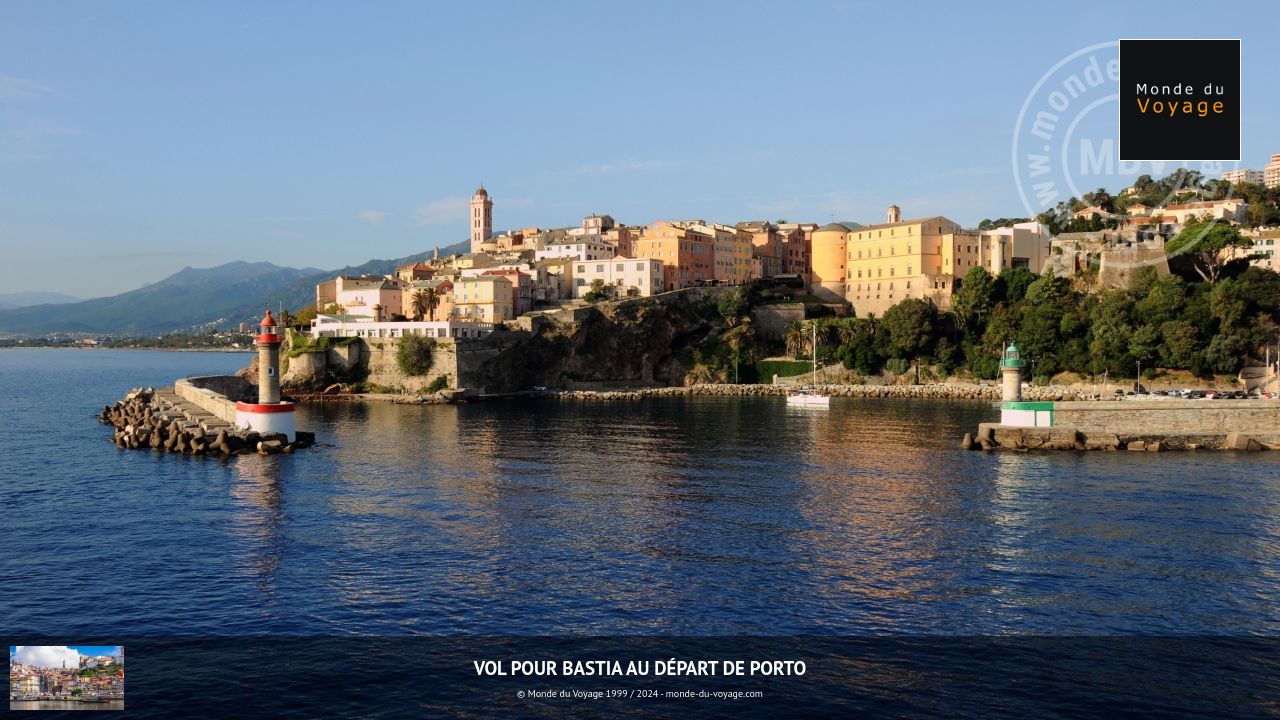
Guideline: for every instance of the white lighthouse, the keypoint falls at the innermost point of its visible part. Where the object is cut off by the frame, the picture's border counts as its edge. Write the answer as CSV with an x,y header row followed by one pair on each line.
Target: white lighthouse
x,y
269,414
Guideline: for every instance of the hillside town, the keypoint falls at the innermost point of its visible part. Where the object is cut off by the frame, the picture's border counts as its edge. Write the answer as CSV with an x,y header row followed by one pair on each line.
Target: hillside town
x,y
96,679
854,269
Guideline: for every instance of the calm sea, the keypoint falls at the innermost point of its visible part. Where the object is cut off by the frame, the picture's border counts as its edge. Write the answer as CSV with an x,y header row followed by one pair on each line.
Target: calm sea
x,y
707,516
668,517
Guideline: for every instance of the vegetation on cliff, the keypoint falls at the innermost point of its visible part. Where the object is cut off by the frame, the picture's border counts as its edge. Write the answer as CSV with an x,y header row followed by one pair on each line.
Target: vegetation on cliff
x,y
413,354
1171,322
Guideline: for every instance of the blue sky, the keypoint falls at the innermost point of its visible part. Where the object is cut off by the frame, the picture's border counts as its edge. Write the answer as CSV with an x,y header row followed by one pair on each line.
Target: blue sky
x,y
140,137
56,655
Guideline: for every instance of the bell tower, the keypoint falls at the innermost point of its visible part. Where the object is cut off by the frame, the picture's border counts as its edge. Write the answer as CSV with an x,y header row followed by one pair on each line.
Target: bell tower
x,y
481,218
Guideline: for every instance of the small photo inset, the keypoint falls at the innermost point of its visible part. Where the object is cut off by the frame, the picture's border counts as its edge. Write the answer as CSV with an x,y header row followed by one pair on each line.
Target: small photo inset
x,y
66,677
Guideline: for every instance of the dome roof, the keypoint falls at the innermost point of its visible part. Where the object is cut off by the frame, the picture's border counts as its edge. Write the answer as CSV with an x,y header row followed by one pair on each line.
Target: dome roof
x,y
268,321
832,227
482,192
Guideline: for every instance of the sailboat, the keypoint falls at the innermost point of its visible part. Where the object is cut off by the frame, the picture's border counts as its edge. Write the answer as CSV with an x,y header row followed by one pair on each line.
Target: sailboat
x,y
809,396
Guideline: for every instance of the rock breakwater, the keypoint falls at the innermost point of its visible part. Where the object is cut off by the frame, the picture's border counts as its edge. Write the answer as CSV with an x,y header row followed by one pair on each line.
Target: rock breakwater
x,y
147,418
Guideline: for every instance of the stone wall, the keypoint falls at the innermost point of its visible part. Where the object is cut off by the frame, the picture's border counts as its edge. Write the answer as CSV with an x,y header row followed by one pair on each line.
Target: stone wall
x,y
771,321
379,356
215,394
1171,417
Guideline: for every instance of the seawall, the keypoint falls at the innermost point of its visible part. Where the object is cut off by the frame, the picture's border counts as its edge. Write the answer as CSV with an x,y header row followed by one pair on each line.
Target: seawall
x,y
1148,425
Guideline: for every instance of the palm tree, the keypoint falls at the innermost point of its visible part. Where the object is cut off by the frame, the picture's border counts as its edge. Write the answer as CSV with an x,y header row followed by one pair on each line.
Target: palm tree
x,y
425,302
418,306
796,339
433,301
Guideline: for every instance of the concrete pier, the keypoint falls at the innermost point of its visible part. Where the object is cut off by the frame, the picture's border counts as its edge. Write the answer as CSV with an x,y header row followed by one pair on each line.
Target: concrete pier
x,y
1148,425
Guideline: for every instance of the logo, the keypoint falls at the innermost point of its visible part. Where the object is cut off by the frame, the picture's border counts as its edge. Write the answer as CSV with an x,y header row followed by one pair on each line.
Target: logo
x,y
1066,144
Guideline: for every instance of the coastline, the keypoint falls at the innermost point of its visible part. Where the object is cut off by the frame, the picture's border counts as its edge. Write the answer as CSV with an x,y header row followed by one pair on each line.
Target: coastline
x,y
937,391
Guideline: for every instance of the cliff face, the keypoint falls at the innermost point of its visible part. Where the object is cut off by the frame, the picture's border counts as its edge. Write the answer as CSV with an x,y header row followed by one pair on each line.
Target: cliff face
x,y
646,341
631,343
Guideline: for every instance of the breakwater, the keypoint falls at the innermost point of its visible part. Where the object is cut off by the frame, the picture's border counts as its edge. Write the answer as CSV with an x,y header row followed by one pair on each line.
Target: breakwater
x,y
1138,425
161,419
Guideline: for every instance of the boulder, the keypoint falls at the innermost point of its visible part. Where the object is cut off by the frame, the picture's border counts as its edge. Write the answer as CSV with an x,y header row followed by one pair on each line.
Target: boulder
x,y
1236,441
1007,437
1136,445
966,443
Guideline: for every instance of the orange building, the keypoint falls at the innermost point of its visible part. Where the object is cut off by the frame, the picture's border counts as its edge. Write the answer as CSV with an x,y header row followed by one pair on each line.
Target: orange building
x,y
688,257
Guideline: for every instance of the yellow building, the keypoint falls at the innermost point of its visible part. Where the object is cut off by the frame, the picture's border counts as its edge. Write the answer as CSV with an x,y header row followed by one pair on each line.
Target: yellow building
x,y
902,259
827,280
483,298
922,258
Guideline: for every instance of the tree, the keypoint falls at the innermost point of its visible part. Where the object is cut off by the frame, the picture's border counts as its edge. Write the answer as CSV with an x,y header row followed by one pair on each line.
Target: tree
x,y
425,302
741,341
976,296
797,339
1210,244
598,291
304,316
733,305
909,325
413,356
1014,282
1179,344
286,319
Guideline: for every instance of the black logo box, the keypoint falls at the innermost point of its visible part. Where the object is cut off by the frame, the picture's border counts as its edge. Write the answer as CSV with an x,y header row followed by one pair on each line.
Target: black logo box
x,y
1180,65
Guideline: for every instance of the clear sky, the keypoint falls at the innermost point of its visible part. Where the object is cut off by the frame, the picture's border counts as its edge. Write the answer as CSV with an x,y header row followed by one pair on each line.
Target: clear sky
x,y
140,137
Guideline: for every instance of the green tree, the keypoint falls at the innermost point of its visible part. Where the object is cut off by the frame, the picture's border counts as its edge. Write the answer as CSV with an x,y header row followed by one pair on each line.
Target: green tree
x,y
976,296
1210,245
797,339
597,292
1179,344
413,355
425,301
909,326
304,316
733,305
1014,283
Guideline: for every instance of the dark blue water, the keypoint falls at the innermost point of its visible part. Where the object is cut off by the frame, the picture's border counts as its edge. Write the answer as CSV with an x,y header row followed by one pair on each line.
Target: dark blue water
x,y
706,516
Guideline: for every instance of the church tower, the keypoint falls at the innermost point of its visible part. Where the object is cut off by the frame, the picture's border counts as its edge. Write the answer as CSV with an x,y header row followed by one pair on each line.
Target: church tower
x,y
481,218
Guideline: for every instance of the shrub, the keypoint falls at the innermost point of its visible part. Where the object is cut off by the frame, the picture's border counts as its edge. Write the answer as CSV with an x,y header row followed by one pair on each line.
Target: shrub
x,y
440,383
413,357
766,369
897,366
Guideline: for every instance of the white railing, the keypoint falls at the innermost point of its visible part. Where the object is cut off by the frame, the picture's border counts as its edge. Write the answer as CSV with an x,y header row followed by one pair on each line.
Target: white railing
x,y
457,329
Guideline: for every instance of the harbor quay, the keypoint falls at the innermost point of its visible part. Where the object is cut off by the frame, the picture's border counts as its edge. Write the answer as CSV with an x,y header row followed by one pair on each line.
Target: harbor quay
x,y
1149,425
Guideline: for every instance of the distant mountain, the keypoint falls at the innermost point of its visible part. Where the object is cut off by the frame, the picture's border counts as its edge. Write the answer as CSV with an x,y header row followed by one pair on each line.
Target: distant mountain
x,y
9,301
193,299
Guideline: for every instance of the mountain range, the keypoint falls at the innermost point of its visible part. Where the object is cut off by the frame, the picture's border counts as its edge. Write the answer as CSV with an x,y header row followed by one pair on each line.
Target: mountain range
x,y
193,299
9,301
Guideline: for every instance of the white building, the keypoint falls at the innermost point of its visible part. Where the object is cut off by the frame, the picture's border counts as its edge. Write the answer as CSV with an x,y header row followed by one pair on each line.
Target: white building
x,y
1025,245
1271,173
1235,177
360,295
1231,210
579,247
347,326
626,277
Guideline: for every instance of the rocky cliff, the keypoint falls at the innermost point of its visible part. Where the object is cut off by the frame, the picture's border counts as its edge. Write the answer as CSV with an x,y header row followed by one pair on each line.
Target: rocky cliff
x,y
644,341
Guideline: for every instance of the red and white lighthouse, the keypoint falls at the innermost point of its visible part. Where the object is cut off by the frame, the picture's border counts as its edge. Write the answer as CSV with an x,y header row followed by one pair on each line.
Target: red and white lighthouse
x,y
269,414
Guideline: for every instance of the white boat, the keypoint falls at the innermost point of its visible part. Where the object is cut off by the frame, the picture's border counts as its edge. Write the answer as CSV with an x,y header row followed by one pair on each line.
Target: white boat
x,y
809,396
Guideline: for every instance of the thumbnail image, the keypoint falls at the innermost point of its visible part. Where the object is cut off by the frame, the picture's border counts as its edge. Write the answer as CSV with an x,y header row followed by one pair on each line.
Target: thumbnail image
x,y
66,677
